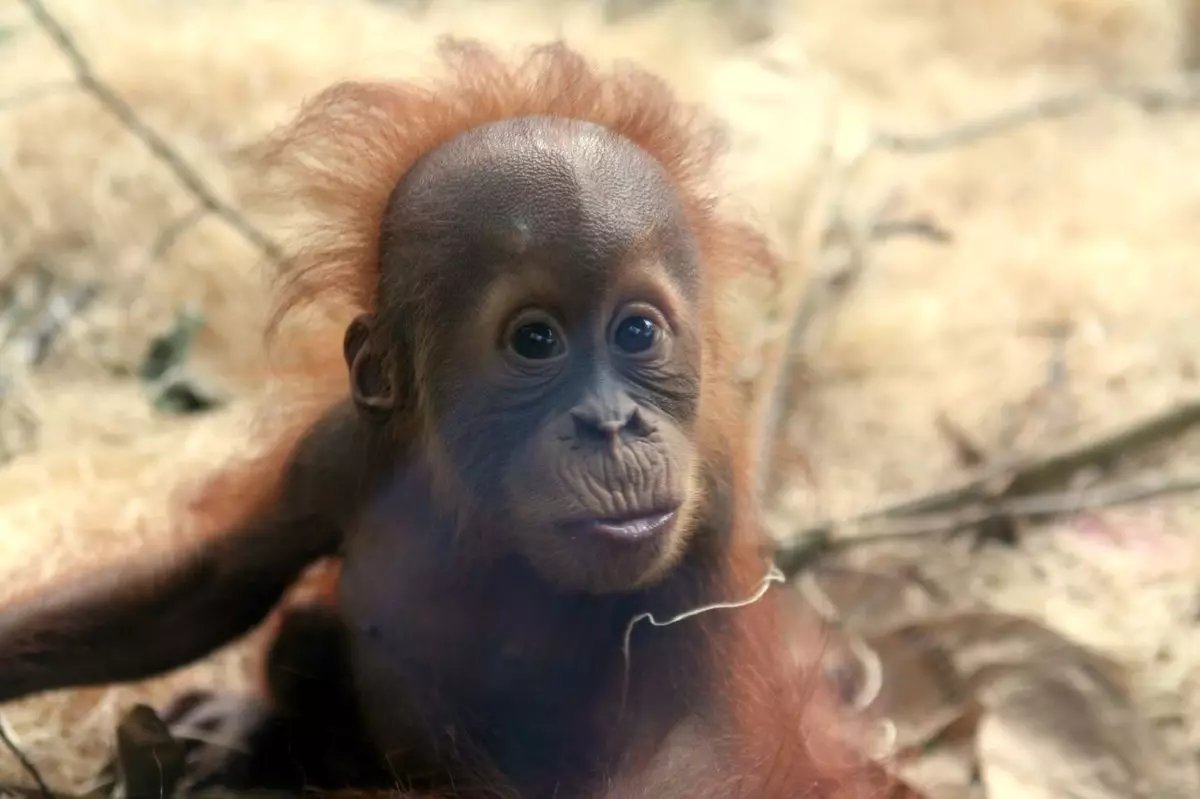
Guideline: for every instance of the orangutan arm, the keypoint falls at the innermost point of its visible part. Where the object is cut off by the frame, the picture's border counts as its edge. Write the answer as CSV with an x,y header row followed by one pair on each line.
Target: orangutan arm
x,y
165,610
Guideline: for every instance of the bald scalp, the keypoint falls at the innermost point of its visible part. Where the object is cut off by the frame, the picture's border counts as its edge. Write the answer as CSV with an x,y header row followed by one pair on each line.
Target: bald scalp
x,y
536,190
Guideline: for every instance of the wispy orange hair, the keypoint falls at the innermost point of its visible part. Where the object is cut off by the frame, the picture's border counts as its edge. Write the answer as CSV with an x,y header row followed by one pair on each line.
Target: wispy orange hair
x,y
351,144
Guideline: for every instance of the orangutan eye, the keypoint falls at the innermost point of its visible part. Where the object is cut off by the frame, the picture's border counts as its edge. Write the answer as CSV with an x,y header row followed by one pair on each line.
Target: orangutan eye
x,y
636,335
536,341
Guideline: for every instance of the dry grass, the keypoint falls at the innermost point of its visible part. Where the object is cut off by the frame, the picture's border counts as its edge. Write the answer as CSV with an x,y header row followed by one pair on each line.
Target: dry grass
x,y
1088,221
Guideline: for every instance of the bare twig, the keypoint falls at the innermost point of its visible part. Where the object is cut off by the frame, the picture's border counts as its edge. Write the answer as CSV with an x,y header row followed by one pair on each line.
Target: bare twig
x,y
1051,400
26,423
777,372
840,278
32,94
59,310
26,764
1148,98
1034,507
967,451
1058,467
162,150
169,235
918,227
973,502
854,238
792,557
824,295
33,331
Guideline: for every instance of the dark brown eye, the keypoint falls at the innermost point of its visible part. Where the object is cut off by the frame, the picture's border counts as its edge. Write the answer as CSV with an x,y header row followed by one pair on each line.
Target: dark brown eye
x,y
536,341
635,334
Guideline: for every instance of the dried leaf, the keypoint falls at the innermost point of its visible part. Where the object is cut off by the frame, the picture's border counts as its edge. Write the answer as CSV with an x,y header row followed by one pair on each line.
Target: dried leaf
x,y
862,604
1055,715
980,639
184,395
151,760
981,691
1057,733
947,768
867,602
921,691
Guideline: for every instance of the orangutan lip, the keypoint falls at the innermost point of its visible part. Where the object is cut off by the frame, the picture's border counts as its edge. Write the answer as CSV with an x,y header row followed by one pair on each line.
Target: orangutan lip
x,y
628,528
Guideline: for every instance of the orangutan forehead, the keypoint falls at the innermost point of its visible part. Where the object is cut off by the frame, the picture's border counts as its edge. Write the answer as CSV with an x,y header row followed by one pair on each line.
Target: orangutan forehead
x,y
539,188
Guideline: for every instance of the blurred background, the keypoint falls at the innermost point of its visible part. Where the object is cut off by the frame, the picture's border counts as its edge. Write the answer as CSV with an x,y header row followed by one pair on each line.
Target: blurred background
x,y
989,210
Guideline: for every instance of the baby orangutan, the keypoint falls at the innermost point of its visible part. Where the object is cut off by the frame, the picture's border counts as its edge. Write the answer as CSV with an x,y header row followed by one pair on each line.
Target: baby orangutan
x,y
540,444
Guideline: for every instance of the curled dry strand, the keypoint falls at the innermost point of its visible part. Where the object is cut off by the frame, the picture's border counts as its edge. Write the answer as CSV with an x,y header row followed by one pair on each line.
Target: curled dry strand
x,y
773,575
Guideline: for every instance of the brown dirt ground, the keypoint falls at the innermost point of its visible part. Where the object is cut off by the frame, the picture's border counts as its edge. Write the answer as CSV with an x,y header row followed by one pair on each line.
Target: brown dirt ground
x,y
1090,220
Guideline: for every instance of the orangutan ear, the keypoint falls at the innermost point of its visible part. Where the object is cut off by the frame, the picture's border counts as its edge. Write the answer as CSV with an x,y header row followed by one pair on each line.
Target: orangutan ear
x,y
371,384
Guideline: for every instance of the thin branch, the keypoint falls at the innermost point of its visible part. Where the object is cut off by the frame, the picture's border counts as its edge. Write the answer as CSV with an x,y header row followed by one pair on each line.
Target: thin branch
x,y
1148,98
1037,474
26,764
828,290
1048,403
31,94
971,502
125,113
26,423
776,372
58,312
918,227
169,235
824,295
1033,508
795,555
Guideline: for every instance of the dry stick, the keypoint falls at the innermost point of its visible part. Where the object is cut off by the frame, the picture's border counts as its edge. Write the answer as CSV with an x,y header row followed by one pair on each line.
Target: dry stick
x,y
824,292
169,235
27,421
1033,508
795,556
777,371
827,293
1148,98
1053,390
124,112
1019,498
1030,475
32,94
1038,474
58,312
26,764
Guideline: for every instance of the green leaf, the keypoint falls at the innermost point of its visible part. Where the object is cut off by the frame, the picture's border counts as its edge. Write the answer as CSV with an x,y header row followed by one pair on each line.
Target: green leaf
x,y
170,349
184,397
